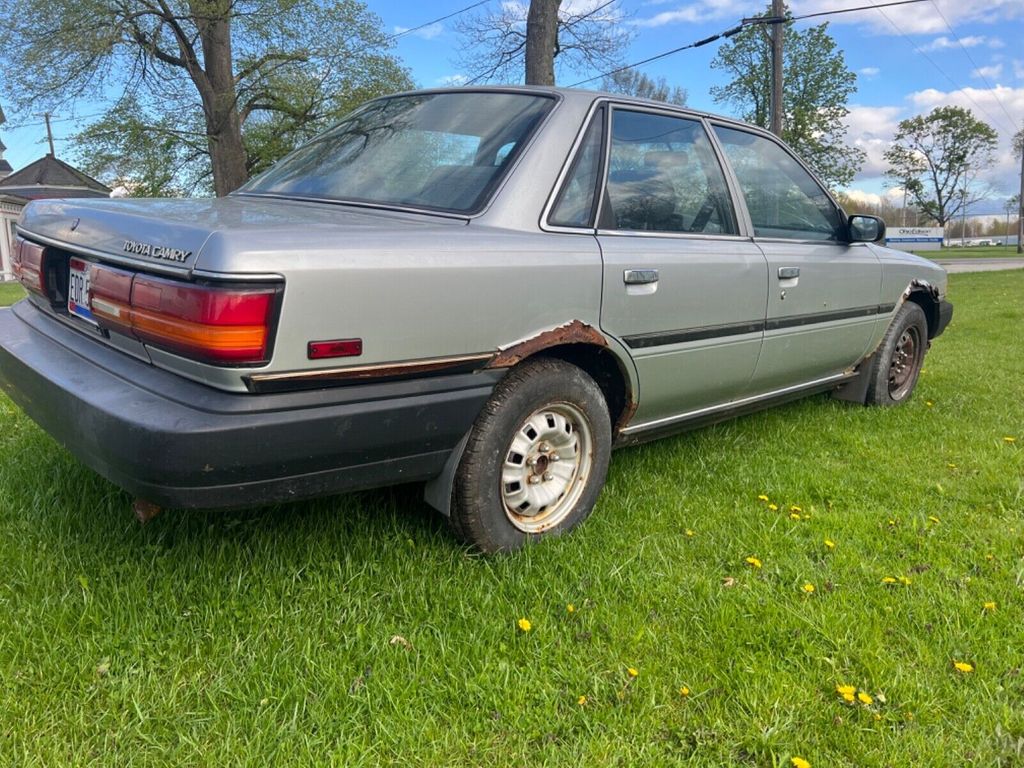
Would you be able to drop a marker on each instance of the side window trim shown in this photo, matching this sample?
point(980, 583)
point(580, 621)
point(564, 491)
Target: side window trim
point(734, 179)
point(742, 218)
point(599, 110)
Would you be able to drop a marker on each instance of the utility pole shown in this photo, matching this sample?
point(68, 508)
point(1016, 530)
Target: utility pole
point(963, 219)
point(778, 29)
point(1020, 202)
point(49, 131)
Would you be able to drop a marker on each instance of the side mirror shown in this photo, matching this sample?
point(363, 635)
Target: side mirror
point(864, 229)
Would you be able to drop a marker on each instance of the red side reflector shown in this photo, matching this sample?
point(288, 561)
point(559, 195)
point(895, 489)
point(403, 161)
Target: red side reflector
point(318, 350)
point(28, 265)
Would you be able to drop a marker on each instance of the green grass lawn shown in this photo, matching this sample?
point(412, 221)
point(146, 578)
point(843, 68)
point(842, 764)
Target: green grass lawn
point(973, 252)
point(10, 293)
point(354, 631)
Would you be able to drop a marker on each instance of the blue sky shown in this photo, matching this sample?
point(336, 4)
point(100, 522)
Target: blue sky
point(909, 60)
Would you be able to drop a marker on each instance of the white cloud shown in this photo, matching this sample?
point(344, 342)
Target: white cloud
point(428, 32)
point(943, 43)
point(702, 10)
point(911, 19)
point(871, 129)
point(452, 81)
point(872, 198)
point(869, 71)
point(994, 71)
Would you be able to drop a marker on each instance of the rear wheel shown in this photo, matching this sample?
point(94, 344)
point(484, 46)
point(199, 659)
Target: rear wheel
point(897, 364)
point(536, 459)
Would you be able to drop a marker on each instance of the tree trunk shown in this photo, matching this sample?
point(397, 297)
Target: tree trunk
point(223, 126)
point(541, 39)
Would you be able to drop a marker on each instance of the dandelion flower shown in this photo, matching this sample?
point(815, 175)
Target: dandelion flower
point(799, 762)
point(633, 671)
point(795, 508)
point(1010, 440)
point(689, 532)
point(684, 691)
point(990, 606)
point(864, 698)
point(762, 497)
point(847, 692)
point(904, 581)
point(570, 608)
point(933, 519)
point(773, 507)
point(888, 580)
point(753, 562)
point(794, 515)
point(892, 522)
point(990, 556)
point(951, 466)
point(829, 544)
point(929, 403)
point(524, 625)
point(808, 588)
point(582, 700)
point(963, 666)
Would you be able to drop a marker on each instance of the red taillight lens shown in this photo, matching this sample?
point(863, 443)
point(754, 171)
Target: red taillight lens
point(28, 265)
point(219, 325)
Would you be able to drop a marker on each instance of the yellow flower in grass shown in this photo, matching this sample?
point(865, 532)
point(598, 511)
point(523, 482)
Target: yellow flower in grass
point(524, 625)
point(753, 562)
point(570, 608)
point(762, 497)
point(929, 403)
point(684, 691)
point(990, 606)
point(933, 519)
point(582, 700)
point(632, 671)
point(848, 692)
point(829, 544)
point(794, 515)
point(773, 507)
point(795, 508)
point(888, 580)
point(808, 588)
point(990, 556)
point(864, 698)
point(904, 581)
point(1010, 440)
point(963, 666)
point(951, 466)
point(799, 762)
point(689, 532)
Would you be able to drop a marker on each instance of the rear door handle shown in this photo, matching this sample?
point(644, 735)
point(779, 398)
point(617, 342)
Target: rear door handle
point(640, 276)
point(789, 273)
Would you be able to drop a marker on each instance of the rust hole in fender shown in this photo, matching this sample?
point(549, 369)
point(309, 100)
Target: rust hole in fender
point(576, 332)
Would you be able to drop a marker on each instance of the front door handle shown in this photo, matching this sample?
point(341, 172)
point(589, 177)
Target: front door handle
point(640, 276)
point(789, 273)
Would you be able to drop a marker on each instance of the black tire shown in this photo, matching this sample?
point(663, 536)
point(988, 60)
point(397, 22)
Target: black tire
point(573, 413)
point(897, 364)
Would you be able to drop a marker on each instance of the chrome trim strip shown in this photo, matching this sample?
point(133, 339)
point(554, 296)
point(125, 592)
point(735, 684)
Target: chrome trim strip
point(734, 403)
point(373, 371)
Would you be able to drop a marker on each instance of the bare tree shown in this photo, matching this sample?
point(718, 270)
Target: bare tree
point(633, 82)
point(537, 39)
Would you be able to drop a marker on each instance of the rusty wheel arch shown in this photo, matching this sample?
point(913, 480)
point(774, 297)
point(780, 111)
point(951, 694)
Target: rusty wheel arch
point(926, 296)
point(583, 345)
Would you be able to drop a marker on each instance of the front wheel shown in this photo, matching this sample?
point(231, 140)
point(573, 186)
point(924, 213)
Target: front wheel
point(536, 459)
point(897, 364)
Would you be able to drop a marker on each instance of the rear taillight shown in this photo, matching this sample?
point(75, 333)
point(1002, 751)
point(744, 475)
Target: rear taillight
point(28, 265)
point(212, 324)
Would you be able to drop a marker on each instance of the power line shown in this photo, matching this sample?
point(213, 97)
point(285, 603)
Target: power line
point(405, 32)
point(737, 29)
point(977, 69)
point(932, 62)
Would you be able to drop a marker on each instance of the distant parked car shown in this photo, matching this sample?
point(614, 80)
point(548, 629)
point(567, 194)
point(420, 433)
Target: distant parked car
point(485, 289)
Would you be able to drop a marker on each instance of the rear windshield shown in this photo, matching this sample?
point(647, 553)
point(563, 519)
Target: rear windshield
point(443, 151)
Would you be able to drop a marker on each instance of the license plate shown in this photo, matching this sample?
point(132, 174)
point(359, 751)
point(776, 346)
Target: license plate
point(78, 290)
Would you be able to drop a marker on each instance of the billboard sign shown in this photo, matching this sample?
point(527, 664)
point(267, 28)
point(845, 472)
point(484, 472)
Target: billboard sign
point(914, 238)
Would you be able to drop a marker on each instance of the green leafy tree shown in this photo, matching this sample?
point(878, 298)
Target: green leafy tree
point(937, 158)
point(227, 84)
point(633, 82)
point(817, 87)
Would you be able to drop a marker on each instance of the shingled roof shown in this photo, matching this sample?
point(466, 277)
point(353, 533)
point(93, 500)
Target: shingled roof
point(50, 177)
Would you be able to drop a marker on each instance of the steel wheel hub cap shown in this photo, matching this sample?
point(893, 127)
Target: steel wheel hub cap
point(546, 467)
point(904, 363)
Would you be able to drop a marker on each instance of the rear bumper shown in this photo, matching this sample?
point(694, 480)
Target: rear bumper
point(177, 443)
